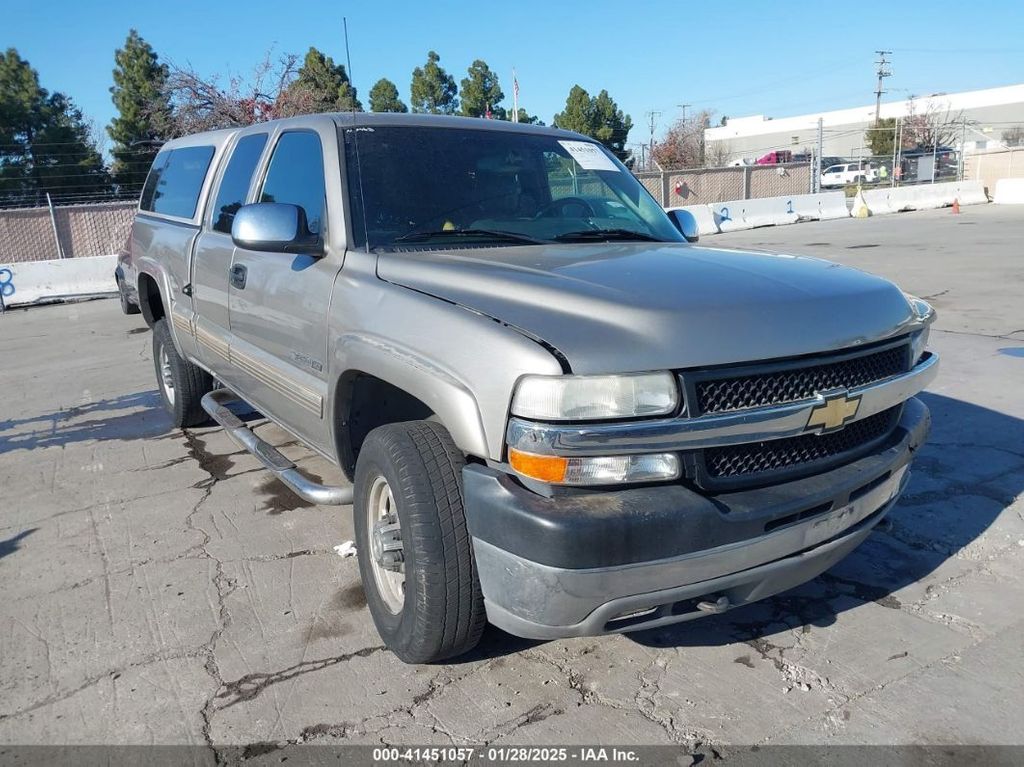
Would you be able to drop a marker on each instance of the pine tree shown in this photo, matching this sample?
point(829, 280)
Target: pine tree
point(611, 126)
point(598, 117)
point(481, 92)
point(384, 97)
point(578, 114)
point(433, 90)
point(143, 110)
point(323, 86)
point(45, 144)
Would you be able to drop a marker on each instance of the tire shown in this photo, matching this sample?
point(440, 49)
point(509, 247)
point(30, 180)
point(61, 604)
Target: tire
point(440, 610)
point(188, 382)
point(127, 307)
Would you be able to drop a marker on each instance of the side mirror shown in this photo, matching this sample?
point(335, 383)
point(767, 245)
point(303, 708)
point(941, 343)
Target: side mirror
point(686, 223)
point(275, 226)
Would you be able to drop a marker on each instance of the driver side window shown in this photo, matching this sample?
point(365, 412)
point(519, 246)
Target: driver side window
point(296, 176)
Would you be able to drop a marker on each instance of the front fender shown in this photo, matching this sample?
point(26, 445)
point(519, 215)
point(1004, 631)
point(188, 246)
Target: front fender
point(405, 368)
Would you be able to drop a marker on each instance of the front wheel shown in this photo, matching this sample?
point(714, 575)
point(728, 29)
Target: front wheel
point(415, 555)
point(182, 384)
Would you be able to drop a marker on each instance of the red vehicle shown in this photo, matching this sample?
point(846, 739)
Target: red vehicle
point(775, 158)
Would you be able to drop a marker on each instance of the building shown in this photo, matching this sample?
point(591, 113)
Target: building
point(987, 114)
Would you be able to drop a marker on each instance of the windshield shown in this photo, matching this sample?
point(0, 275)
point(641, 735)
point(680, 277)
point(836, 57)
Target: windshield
point(443, 187)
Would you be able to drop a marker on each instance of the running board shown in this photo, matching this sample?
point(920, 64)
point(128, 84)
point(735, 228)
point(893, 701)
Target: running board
point(215, 404)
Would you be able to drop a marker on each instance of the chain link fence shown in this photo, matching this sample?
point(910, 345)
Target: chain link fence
point(698, 186)
point(40, 234)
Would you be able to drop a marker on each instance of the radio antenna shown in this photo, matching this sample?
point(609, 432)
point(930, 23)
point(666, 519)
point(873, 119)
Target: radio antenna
point(355, 139)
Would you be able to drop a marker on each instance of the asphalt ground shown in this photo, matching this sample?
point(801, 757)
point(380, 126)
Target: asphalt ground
point(159, 588)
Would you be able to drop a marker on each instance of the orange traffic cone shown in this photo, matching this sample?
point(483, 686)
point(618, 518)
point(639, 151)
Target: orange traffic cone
point(956, 204)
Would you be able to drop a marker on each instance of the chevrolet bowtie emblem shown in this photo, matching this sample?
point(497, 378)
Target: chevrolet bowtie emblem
point(833, 413)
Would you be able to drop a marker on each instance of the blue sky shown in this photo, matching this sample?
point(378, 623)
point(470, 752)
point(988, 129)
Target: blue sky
point(738, 58)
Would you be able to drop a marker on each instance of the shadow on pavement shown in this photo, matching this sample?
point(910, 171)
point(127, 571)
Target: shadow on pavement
point(11, 545)
point(146, 419)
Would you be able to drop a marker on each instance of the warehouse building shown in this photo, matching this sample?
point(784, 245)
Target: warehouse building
point(985, 116)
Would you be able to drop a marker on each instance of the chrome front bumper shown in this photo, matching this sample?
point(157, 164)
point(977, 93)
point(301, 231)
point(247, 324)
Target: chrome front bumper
point(735, 428)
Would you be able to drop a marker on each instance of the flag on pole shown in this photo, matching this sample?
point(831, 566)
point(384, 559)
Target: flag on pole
point(515, 97)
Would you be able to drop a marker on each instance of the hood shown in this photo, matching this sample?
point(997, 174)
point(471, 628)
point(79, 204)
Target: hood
point(628, 307)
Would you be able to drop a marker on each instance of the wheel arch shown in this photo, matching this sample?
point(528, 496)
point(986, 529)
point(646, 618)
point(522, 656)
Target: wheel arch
point(366, 396)
point(151, 300)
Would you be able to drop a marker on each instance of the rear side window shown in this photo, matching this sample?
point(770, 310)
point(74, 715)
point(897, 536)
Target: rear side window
point(173, 185)
point(234, 185)
point(296, 175)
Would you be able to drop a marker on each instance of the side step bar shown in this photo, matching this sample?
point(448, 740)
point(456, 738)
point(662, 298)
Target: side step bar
point(215, 404)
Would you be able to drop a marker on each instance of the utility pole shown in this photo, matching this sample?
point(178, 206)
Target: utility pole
point(653, 118)
point(683, 107)
point(963, 160)
point(895, 151)
point(882, 73)
point(816, 180)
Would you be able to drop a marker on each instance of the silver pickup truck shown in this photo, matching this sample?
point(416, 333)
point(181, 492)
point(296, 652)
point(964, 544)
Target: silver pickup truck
point(556, 412)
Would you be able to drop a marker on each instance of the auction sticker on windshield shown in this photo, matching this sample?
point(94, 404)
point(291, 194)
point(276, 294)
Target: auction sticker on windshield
point(589, 156)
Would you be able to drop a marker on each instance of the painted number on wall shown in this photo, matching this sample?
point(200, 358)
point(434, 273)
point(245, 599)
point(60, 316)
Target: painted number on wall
point(6, 283)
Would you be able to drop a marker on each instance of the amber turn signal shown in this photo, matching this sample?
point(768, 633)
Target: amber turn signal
point(546, 468)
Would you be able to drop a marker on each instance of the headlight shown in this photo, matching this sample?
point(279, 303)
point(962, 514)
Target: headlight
point(918, 343)
point(925, 314)
point(585, 398)
point(603, 470)
point(923, 310)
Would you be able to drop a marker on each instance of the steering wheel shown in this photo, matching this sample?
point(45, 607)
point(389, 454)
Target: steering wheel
point(555, 207)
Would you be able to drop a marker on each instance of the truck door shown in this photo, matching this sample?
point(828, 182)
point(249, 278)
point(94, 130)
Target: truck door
point(211, 262)
point(278, 302)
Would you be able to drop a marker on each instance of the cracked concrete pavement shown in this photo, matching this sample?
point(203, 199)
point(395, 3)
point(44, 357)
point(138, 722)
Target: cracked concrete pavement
point(159, 588)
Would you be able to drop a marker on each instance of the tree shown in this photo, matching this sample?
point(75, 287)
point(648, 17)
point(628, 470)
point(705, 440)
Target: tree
point(525, 117)
point(143, 110)
point(578, 114)
point(320, 86)
point(611, 126)
point(881, 137)
point(598, 117)
point(717, 154)
point(201, 103)
point(936, 126)
point(683, 144)
point(45, 143)
point(481, 92)
point(384, 97)
point(433, 90)
point(1014, 136)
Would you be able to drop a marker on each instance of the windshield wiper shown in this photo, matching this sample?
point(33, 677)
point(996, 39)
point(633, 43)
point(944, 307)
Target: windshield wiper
point(587, 236)
point(454, 234)
point(602, 235)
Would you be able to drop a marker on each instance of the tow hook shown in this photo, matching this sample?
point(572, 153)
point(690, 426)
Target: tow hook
point(720, 605)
